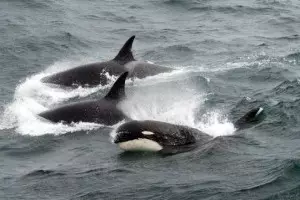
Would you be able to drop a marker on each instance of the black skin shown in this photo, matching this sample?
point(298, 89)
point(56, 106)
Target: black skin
point(171, 135)
point(86, 75)
point(249, 119)
point(166, 134)
point(103, 111)
point(95, 73)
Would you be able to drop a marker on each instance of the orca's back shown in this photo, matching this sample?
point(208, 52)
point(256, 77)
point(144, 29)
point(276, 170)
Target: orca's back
point(102, 112)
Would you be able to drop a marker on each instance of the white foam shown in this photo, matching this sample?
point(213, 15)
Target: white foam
point(33, 96)
point(216, 124)
point(176, 74)
point(174, 104)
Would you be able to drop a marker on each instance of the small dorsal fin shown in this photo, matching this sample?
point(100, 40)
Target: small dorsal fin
point(125, 54)
point(117, 91)
point(250, 117)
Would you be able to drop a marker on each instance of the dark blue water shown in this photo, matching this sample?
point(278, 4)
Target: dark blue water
point(228, 57)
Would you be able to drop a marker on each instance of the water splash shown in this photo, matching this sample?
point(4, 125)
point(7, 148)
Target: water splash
point(33, 96)
point(151, 100)
point(175, 104)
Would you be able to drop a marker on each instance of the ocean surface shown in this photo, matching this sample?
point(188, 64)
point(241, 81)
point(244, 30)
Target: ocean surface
point(228, 57)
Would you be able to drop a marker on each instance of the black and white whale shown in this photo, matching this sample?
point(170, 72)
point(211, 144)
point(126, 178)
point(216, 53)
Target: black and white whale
point(103, 111)
point(95, 73)
point(166, 137)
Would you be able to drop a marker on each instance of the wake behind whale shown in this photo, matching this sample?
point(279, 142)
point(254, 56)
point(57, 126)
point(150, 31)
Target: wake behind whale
point(33, 97)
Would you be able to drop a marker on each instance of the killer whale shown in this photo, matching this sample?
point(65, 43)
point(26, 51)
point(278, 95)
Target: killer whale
point(103, 111)
point(95, 73)
point(157, 136)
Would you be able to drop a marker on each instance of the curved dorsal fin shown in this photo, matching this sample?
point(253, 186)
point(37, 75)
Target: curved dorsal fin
point(117, 91)
point(125, 54)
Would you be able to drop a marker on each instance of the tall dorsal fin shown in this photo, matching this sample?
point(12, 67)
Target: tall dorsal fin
point(125, 54)
point(117, 91)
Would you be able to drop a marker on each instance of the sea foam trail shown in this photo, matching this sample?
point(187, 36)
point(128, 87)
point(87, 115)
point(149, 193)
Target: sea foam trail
point(169, 104)
point(33, 96)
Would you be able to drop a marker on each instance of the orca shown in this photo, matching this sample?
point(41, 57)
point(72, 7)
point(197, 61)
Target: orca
point(93, 74)
point(157, 136)
point(104, 111)
point(251, 117)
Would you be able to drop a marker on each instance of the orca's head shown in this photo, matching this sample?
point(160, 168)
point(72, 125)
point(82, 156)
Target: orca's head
point(134, 136)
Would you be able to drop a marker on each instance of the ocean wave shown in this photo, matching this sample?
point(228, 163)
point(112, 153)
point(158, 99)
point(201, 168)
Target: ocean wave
point(291, 193)
point(34, 4)
point(274, 3)
point(110, 16)
point(237, 9)
point(43, 173)
point(21, 147)
point(293, 58)
point(286, 172)
point(287, 87)
point(290, 37)
point(179, 48)
point(274, 74)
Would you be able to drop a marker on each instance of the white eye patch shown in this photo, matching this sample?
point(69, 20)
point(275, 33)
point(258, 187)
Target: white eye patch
point(147, 133)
